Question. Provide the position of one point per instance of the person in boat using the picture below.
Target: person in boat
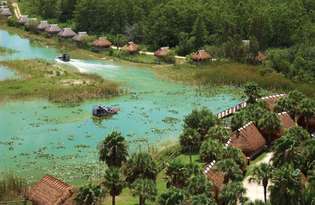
(65, 57)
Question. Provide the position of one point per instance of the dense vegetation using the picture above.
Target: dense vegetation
(286, 29)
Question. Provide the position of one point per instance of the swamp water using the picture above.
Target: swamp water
(37, 137)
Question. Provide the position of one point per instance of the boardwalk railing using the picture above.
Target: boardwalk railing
(231, 110)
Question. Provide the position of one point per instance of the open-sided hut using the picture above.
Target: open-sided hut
(6, 12)
(53, 29)
(162, 52)
(50, 191)
(67, 33)
(201, 55)
(43, 25)
(80, 36)
(131, 48)
(101, 43)
(248, 139)
(23, 19)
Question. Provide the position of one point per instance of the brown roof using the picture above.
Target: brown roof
(79, 36)
(217, 178)
(161, 52)
(23, 19)
(6, 12)
(42, 25)
(53, 28)
(102, 43)
(50, 191)
(272, 100)
(248, 139)
(131, 47)
(67, 33)
(286, 123)
(261, 57)
(201, 55)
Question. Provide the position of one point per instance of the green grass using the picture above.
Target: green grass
(4, 51)
(57, 84)
(235, 74)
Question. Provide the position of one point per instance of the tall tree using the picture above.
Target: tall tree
(232, 194)
(172, 197)
(114, 182)
(113, 150)
(252, 92)
(145, 189)
(202, 199)
(230, 169)
(262, 174)
(269, 124)
(190, 141)
(89, 195)
(220, 133)
(211, 150)
(199, 33)
(199, 184)
(177, 174)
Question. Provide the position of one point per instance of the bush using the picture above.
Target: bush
(13, 22)
(169, 58)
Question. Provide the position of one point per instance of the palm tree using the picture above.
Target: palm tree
(219, 133)
(190, 141)
(251, 91)
(262, 174)
(286, 187)
(145, 189)
(232, 193)
(269, 124)
(89, 195)
(113, 150)
(177, 174)
(114, 182)
(202, 199)
(172, 197)
(237, 120)
(230, 169)
(211, 150)
(140, 165)
(235, 154)
(199, 184)
(309, 192)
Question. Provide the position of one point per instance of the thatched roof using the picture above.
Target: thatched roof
(286, 123)
(248, 139)
(67, 33)
(50, 191)
(161, 52)
(43, 25)
(102, 42)
(131, 47)
(79, 36)
(32, 21)
(201, 55)
(272, 100)
(23, 19)
(217, 178)
(53, 29)
(6, 12)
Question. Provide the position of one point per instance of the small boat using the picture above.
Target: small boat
(103, 111)
(64, 57)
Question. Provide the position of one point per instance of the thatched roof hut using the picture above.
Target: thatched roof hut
(43, 25)
(6, 12)
(23, 19)
(162, 52)
(53, 29)
(272, 100)
(248, 139)
(50, 191)
(67, 33)
(102, 42)
(32, 22)
(131, 47)
(286, 123)
(80, 36)
(201, 55)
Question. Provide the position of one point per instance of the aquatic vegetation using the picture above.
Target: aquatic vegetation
(6, 51)
(35, 83)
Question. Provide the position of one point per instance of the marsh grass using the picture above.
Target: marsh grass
(5, 51)
(57, 84)
(234, 74)
(11, 187)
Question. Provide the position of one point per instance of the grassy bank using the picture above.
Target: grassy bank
(235, 74)
(5, 51)
(55, 83)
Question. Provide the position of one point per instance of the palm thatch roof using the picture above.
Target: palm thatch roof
(53, 29)
(102, 42)
(50, 191)
(248, 139)
(43, 25)
(201, 55)
(286, 123)
(6, 12)
(79, 36)
(272, 100)
(131, 47)
(217, 178)
(23, 19)
(67, 33)
(162, 52)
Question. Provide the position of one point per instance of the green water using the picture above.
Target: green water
(37, 137)
(6, 74)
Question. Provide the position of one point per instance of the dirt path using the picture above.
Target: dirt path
(255, 191)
